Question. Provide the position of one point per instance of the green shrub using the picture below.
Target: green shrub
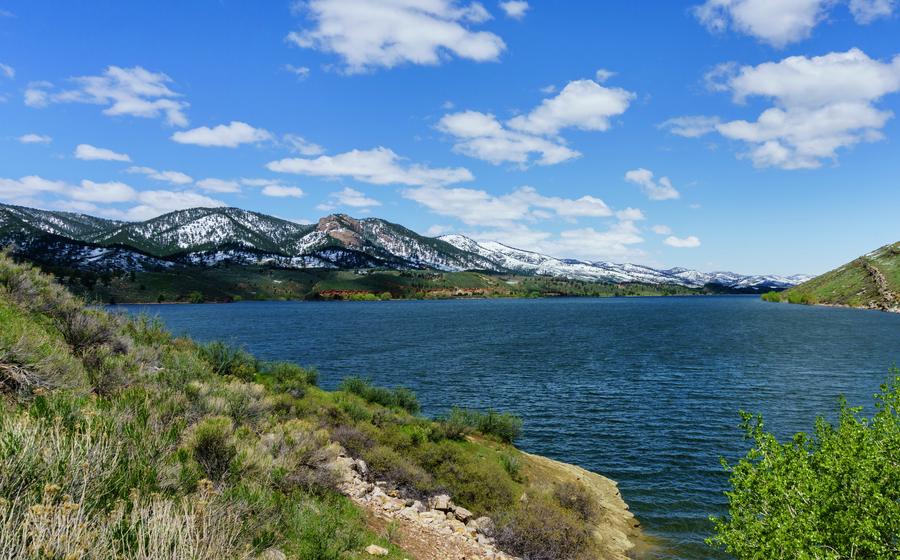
(459, 422)
(389, 465)
(400, 397)
(212, 446)
(573, 496)
(512, 465)
(832, 494)
(227, 360)
(541, 529)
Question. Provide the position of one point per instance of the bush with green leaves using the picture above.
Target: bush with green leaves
(460, 422)
(399, 397)
(833, 494)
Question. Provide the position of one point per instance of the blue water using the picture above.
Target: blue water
(643, 390)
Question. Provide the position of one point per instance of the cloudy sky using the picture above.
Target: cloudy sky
(752, 135)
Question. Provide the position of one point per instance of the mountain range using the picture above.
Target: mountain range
(207, 236)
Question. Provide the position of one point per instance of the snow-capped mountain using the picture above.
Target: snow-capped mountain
(210, 236)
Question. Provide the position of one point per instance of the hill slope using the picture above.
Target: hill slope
(871, 281)
(119, 441)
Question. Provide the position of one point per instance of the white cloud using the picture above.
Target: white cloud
(173, 177)
(156, 203)
(655, 190)
(776, 22)
(35, 139)
(661, 229)
(691, 126)
(688, 242)
(821, 104)
(631, 214)
(548, 89)
(7, 71)
(348, 197)
(867, 11)
(515, 8)
(368, 34)
(302, 72)
(582, 104)
(781, 22)
(219, 185)
(602, 75)
(229, 135)
(125, 91)
(480, 208)
(378, 166)
(482, 136)
(302, 146)
(282, 191)
(88, 152)
(29, 186)
(111, 192)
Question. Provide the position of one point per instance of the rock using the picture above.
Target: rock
(462, 513)
(376, 550)
(272, 554)
(485, 525)
(361, 468)
(441, 502)
(418, 506)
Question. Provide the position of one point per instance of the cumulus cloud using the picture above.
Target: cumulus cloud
(95, 197)
(229, 135)
(378, 166)
(173, 177)
(368, 34)
(867, 11)
(35, 139)
(655, 190)
(7, 70)
(821, 104)
(688, 242)
(582, 104)
(219, 185)
(348, 197)
(479, 208)
(89, 191)
(89, 153)
(776, 22)
(661, 229)
(514, 9)
(781, 22)
(482, 136)
(124, 91)
(282, 191)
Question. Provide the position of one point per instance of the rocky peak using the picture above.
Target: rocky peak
(343, 228)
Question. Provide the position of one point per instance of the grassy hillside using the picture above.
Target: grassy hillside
(871, 281)
(118, 441)
(244, 282)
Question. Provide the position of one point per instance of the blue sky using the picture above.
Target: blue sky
(751, 135)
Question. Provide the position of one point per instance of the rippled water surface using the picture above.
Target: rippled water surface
(643, 390)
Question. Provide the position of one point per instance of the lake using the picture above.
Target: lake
(643, 390)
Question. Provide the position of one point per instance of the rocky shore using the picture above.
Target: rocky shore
(440, 530)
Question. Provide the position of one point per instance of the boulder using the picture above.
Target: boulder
(375, 550)
(485, 525)
(462, 513)
(441, 502)
(272, 554)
